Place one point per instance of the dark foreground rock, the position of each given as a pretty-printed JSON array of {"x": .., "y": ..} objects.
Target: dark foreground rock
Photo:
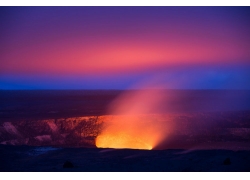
[
  {"x": 227, "y": 161},
  {"x": 68, "y": 164},
  {"x": 33, "y": 159}
]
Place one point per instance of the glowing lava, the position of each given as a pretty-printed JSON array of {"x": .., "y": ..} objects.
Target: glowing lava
[
  {"x": 133, "y": 127},
  {"x": 121, "y": 140},
  {"x": 127, "y": 132},
  {"x": 132, "y": 131}
]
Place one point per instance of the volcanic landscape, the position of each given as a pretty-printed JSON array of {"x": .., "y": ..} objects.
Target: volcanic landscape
[{"x": 99, "y": 130}]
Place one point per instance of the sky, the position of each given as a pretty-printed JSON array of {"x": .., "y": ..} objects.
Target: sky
[{"x": 121, "y": 47}]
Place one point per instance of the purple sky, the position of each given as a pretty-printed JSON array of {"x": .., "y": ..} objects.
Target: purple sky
[{"x": 119, "y": 47}]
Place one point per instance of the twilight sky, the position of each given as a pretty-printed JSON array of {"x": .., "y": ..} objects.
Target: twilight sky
[{"x": 119, "y": 47}]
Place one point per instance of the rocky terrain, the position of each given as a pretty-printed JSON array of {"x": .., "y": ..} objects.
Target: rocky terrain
[
  {"x": 227, "y": 130},
  {"x": 78, "y": 131},
  {"x": 57, "y": 131}
]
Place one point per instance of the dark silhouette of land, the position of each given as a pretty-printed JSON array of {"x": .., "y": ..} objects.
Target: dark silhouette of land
[
  {"x": 43, "y": 104},
  {"x": 44, "y": 130}
]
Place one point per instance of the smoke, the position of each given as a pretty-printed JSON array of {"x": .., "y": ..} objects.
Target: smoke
[
  {"x": 133, "y": 124},
  {"x": 141, "y": 119}
]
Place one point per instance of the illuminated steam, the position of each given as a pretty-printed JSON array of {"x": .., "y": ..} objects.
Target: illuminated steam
[
  {"x": 140, "y": 117},
  {"x": 132, "y": 126}
]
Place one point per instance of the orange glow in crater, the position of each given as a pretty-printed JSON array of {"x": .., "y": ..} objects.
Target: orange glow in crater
[
  {"x": 121, "y": 140},
  {"x": 134, "y": 132},
  {"x": 133, "y": 127}
]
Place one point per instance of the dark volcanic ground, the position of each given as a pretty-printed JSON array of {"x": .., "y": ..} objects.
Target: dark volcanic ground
[
  {"x": 44, "y": 104},
  {"x": 212, "y": 132},
  {"x": 47, "y": 159}
]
